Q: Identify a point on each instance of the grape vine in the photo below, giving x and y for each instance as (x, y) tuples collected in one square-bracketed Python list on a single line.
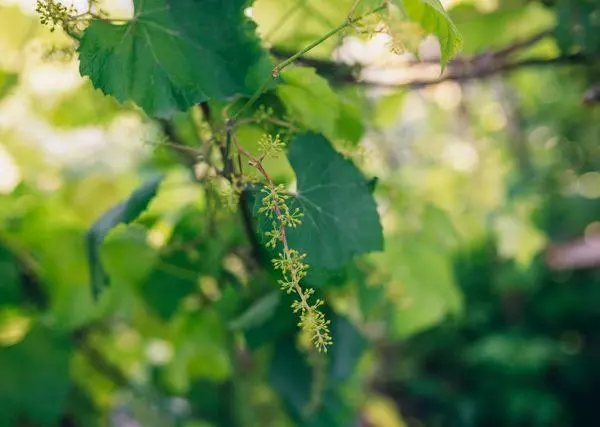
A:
[(105, 51)]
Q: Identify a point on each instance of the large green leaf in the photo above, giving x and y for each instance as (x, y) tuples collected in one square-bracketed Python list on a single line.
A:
[(430, 15), (175, 53), (308, 98), (310, 101), (340, 214), (123, 213), (34, 378)]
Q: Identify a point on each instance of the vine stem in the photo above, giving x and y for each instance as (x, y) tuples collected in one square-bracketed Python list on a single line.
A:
[(353, 8), (287, 62), (349, 21)]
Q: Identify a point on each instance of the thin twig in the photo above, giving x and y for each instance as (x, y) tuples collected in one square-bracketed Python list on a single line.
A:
[(287, 62)]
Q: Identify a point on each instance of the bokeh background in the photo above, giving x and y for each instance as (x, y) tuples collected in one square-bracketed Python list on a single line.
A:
[(483, 310)]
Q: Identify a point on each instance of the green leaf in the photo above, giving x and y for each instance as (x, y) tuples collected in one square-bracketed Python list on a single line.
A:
[(388, 108), (34, 378), (174, 54), (259, 312), (425, 284), (123, 213), (282, 322), (292, 377), (430, 14), (350, 123), (85, 106), (340, 214), (511, 21), (308, 98), (172, 279)]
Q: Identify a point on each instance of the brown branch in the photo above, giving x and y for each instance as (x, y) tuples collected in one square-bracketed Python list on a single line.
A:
[(592, 95), (480, 66), (476, 71), (576, 254), (523, 44)]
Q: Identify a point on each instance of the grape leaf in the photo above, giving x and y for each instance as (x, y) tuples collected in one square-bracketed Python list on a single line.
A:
[(123, 213), (308, 98), (430, 14), (340, 214), (174, 54), (34, 378)]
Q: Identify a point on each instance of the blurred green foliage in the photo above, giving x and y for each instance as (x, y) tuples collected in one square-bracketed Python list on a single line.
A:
[(459, 321)]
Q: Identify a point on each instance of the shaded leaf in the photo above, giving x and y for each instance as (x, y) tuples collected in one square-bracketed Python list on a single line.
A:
[(184, 262), (348, 346), (282, 322), (340, 214), (174, 54), (34, 378), (171, 280), (123, 213), (292, 377)]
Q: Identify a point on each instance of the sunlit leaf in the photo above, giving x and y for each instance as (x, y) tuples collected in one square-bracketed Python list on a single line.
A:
[(422, 285), (308, 99), (174, 54), (432, 17)]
